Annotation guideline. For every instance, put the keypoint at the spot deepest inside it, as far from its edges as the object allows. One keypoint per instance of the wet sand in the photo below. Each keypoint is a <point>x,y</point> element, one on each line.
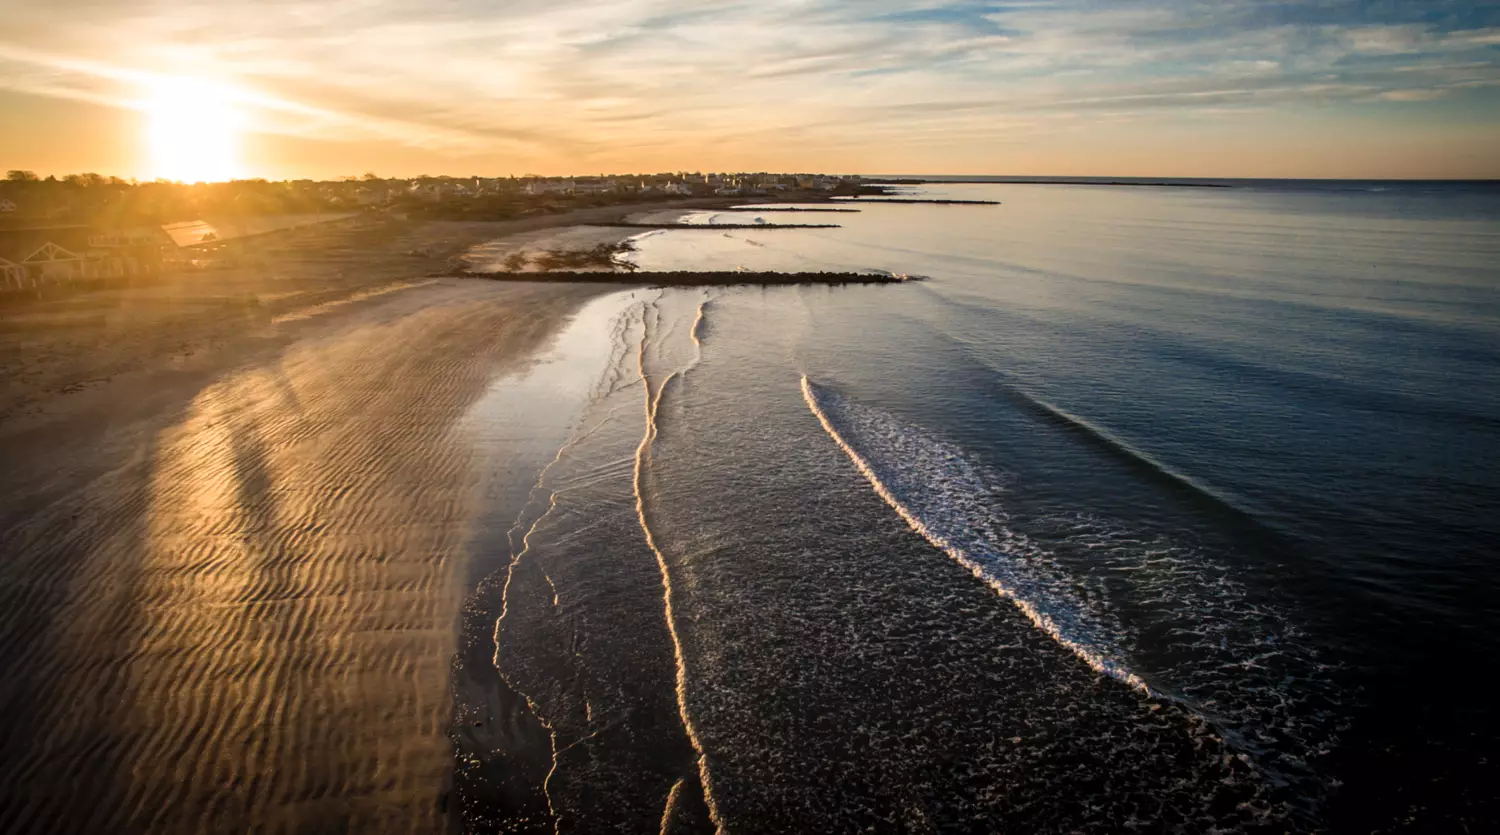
<point>533,252</point>
<point>80,342</point>
<point>234,530</point>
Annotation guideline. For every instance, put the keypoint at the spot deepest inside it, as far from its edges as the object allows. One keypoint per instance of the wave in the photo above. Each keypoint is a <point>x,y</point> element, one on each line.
<point>1203,495</point>
<point>642,458</point>
<point>950,512</point>
<point>1152,611</point>
<point>1117,446</point>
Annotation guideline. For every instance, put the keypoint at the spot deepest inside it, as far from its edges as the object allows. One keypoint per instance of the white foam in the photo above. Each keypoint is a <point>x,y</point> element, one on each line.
<point>642,454</point>
<point>952,518</point>
<point>1217,649</point>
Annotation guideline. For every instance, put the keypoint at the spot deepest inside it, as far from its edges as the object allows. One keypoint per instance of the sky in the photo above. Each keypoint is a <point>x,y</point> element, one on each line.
<point>209,89</point>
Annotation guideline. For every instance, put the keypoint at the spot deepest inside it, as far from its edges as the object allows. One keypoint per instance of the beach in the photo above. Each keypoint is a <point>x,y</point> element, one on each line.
<point>380,526</point>
<point>236,509</point>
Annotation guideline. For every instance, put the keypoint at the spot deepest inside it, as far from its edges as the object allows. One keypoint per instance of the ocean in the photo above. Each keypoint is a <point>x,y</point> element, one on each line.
<point>1165,509</point>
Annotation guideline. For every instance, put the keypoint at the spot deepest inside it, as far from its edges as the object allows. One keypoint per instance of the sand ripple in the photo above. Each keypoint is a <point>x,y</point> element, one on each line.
<point>240,616</point>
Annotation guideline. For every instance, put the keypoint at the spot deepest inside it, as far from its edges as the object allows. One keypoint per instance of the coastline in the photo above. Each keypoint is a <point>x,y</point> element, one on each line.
<point>273,522</point>
<point>54,347</point>
<point>264,479</point>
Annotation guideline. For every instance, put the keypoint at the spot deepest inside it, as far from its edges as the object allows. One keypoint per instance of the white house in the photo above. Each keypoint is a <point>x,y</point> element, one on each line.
<point>537,187</point>
<point>7,206</point>
<point>595,186</point>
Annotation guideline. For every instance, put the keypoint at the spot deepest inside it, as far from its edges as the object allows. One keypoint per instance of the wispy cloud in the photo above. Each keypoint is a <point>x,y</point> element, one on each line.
<point>606,81</point>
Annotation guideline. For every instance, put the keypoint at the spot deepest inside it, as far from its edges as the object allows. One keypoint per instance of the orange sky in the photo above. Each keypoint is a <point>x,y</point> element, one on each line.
<point>1172,88</point>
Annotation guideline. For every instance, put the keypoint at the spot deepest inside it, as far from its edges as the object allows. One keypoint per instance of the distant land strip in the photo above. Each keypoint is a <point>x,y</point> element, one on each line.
<point>1025,182</point>
<point>694,278</point>
<point>711,226</point>
<point>913,200</point>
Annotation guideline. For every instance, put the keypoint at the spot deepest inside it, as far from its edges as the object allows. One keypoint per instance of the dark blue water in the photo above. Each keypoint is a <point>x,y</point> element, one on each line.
<point>1173,508</point>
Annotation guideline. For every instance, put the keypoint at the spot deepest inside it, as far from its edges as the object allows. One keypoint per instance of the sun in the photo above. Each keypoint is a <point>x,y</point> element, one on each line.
<point>192,131</point>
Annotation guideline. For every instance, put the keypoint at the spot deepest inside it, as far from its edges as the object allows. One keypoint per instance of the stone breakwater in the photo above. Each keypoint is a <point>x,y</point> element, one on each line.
<point>695,278</point>
<point>717,226</point>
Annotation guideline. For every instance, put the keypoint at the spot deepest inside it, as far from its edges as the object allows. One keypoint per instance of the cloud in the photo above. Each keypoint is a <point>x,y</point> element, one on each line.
<point>1414,95</point>
<point>610,80</point>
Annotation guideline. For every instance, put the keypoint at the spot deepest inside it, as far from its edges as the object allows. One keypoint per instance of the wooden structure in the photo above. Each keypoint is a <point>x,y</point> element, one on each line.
<point>37,257</point>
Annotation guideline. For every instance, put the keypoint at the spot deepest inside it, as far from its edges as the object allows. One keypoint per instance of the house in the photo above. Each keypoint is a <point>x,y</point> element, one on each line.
<point>191,233</point>
<point>366,196</point>
<point>35,256</point>
<point>429,192</point>
<point>12,275</point>
<point>7,206</point>
<point>539,187</point>
<point>681,189</point>
<point>123,252</point>
<point>593,185</point>
<point>31,257</point>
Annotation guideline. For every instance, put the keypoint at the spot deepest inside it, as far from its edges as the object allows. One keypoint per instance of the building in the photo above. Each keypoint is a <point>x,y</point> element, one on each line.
<point>117,253</point>
<point>539,187</point>
<point>593,185</point>
<point>7,206</point>
<point>367,196</point>
<point>46,255</point>
<point>39,256</point>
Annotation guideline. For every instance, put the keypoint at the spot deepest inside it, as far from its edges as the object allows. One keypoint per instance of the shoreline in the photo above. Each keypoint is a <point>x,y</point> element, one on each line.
<point>169,507</point>
<point>53,341</point>
<point>1048,182</point>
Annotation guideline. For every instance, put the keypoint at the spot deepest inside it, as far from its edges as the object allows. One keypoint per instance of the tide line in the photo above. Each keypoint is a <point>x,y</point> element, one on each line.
<point>653,405</point>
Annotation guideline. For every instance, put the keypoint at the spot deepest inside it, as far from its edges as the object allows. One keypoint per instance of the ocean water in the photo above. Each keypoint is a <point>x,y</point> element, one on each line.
<point>1147,508</point>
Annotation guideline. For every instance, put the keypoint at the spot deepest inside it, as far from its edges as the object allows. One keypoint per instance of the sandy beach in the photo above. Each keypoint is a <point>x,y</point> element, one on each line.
<point>235,516</point>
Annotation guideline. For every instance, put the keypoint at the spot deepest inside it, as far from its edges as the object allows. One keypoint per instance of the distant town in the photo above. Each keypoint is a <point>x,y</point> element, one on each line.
<point>88,226</point>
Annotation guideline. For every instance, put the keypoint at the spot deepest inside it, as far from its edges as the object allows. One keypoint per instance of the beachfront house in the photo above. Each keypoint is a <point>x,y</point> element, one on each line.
<point>116,253</point>
<point>37,256</point>
<point>46,255</point>
<point>679,189</point>
<point>539,187</point>
<point>591,185</point>
<point>7,206</point>
<point>12,275</point>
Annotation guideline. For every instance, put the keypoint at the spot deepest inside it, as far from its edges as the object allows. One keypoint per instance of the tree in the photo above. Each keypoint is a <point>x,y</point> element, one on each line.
<point>19,176</point>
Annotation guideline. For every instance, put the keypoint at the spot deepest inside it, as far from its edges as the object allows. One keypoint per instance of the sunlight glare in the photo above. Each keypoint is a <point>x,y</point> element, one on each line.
<point>193,131</point>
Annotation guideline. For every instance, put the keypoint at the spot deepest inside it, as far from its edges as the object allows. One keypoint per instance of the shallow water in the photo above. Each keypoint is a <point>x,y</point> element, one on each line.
<point>1149,507</point>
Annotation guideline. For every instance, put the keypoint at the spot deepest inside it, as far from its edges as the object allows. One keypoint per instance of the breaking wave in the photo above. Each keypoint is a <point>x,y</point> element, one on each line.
<point>1154,612</point>
<point>947,499</point>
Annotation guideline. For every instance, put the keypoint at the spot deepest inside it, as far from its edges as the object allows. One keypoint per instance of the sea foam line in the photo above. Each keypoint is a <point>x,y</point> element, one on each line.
<point>653,405</point>
<point>958,554</point>
<point>515,561</point>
